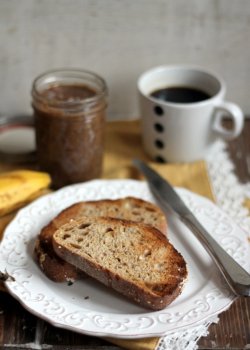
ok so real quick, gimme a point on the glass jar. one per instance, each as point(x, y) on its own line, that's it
point(69, 116)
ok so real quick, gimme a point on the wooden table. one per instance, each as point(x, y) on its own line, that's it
point(21, 330)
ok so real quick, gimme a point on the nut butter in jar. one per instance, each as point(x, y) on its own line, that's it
point(69, 115)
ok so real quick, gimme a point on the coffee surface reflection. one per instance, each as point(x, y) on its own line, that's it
point(180, 94)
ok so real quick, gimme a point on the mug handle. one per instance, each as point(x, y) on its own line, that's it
point(235, 114)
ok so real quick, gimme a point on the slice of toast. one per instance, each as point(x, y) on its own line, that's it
point(134, 259)
point(129, 208)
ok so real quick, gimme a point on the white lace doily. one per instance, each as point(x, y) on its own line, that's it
point(229, 194)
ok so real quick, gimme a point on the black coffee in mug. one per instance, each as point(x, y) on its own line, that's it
point(180, 94)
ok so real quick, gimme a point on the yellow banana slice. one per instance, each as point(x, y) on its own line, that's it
point(19, 187)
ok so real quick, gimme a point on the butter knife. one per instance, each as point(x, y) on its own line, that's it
point(236, 277)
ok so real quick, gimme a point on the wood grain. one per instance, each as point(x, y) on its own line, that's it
point(233, 329)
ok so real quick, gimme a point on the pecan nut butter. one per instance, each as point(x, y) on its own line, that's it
point(69, 115)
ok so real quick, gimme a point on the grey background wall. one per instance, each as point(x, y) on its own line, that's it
point(119, 39)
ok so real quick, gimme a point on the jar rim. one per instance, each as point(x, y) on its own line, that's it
point(51, 76)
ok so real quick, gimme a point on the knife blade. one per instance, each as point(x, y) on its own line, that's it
point(236, 277)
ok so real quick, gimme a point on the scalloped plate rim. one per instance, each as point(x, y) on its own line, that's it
point(158, 330)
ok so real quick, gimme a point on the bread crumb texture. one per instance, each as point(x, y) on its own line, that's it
point(134, 252)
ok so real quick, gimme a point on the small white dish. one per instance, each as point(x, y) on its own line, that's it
point(17, 139)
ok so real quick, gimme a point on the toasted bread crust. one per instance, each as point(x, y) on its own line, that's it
point(127, 208)
point(134, 259)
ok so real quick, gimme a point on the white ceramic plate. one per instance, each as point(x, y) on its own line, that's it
point(90, 308)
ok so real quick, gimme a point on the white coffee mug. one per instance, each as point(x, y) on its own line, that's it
point(183, 131)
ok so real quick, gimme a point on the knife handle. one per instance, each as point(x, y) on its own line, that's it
point(237, 278)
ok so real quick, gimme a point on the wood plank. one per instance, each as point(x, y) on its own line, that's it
point(20, 329)
point(233, 329)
